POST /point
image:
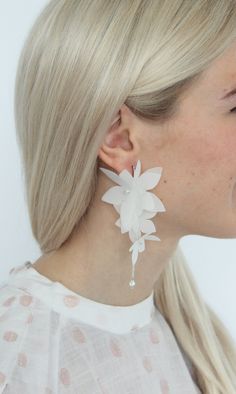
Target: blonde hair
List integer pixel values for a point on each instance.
(81, 61)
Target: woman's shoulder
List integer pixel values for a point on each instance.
(13, 298)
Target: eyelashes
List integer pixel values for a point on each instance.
(233, 109)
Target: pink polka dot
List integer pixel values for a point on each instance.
(10, 336)
(71, 301)
(78, 335)
(147, 364)
(26, 300)
(154, 337)
(29, 319)
(9, 301)
(64, 376)
(2, 377)
(22, 360)
(115, 348)
(164, 386)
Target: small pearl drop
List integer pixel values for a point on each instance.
(132, 283)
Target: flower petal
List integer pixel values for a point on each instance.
(114, 195)
(148, 180)
(112, 175)
(148, 201)
(159, 207)
(117, 208)
(157, 170)
(132, 247)
(126, 178)
(117, 223)
(134, 235)
(148, 215)
(126, 214)
(144, 236)
(153, 238)
(141, 246)
(147, 226)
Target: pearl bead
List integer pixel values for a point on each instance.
(132, 283)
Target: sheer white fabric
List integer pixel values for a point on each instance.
(53, 340)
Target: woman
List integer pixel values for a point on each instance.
(130, 92)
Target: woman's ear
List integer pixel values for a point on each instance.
(120, 147)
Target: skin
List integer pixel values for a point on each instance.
(196, 150)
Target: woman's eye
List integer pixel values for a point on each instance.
(233, 109)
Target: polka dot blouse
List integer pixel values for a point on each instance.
(53, 340)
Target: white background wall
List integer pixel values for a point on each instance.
(211, 260)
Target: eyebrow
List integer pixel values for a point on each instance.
(229, 94)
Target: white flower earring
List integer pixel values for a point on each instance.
(135, 205)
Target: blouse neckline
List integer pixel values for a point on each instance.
(115, 319)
